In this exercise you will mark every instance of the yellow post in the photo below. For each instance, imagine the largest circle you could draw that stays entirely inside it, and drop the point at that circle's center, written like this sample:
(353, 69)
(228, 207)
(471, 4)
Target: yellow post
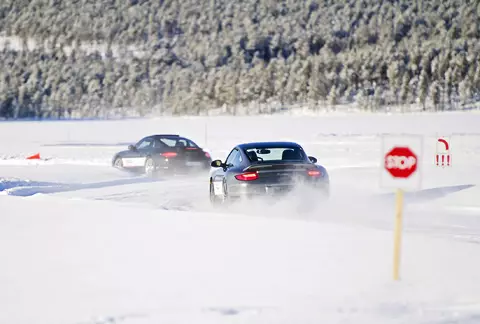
(398, 234)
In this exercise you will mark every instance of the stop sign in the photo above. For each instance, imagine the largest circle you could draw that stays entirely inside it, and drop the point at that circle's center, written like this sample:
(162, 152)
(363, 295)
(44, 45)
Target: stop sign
(401, 162)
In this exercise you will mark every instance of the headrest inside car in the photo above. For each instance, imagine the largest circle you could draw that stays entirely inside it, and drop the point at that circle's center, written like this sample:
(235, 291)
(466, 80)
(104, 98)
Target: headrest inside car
(291, 155)
(252, 156)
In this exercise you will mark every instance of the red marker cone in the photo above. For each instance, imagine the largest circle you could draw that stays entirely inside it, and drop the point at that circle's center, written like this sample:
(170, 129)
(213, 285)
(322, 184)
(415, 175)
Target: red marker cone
(34, 157)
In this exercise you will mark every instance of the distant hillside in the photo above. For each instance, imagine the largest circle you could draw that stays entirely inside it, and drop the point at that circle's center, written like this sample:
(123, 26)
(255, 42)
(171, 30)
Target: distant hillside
(97, 57)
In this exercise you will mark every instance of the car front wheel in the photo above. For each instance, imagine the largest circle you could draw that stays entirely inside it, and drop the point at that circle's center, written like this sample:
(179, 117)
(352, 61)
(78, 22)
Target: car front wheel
(118, 163)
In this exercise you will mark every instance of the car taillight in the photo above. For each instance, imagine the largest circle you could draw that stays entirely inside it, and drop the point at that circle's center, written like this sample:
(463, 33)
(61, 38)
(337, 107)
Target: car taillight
(248, 176)
(314, 173)
(207, 155)
(169, 154)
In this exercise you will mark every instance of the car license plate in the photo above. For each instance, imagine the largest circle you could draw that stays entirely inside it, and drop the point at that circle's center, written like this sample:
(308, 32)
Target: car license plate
(193, 163)
(273, 190)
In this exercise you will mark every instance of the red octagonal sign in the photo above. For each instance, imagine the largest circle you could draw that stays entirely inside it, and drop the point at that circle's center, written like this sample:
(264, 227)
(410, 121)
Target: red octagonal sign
(401, 162)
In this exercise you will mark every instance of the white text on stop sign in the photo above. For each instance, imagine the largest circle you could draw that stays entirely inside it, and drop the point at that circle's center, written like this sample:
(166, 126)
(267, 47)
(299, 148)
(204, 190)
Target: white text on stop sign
(400, 162)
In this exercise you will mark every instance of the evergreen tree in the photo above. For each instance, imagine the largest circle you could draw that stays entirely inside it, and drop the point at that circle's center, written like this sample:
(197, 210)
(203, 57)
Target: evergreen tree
(189, 57)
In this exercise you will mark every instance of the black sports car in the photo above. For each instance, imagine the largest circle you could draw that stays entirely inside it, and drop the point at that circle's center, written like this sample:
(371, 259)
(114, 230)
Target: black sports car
(163, 152)
(266, 168)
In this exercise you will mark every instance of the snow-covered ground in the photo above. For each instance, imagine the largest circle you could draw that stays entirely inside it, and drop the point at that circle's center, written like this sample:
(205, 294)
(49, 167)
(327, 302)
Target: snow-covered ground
(81, 242)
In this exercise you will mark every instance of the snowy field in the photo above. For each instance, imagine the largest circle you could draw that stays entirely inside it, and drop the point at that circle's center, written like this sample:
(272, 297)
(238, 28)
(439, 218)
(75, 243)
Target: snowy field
(83, 243)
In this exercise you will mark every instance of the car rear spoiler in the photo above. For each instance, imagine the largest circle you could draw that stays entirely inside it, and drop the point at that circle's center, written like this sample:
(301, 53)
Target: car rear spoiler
(277, 166)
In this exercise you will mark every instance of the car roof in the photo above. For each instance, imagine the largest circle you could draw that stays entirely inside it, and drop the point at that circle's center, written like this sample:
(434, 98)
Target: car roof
(279, 144)
(165, 135)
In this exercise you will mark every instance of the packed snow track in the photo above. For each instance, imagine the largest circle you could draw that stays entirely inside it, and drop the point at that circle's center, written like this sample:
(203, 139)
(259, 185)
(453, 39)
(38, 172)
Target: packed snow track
(105, 245)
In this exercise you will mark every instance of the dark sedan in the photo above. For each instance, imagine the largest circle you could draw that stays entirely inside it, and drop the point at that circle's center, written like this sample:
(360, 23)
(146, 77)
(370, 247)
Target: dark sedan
(266, 168)
(163, 153)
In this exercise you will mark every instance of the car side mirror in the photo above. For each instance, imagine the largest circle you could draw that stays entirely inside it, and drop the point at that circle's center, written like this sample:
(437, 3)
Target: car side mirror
(216, 163)
(312, 159)
(131, 148)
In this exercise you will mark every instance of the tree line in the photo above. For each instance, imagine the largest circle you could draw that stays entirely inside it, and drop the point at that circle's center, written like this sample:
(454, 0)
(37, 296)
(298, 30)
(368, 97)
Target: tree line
(104, 58)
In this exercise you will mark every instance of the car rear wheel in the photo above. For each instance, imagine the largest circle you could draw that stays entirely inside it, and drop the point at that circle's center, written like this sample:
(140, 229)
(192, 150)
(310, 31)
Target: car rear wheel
(216, 200)
(150, 167)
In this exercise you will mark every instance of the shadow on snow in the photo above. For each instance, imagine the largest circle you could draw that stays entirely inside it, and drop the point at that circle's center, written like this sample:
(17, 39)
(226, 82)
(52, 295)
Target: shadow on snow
(8, 184)
(26, 188)
(427, 194)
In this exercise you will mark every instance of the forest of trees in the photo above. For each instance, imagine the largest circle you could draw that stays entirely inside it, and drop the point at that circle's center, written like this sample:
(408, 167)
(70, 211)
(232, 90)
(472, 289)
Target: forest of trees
(100, 58)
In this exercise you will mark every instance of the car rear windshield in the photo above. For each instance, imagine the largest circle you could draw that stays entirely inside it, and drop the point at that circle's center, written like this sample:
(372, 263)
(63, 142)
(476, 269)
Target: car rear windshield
(275, 154)
(175, 142)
